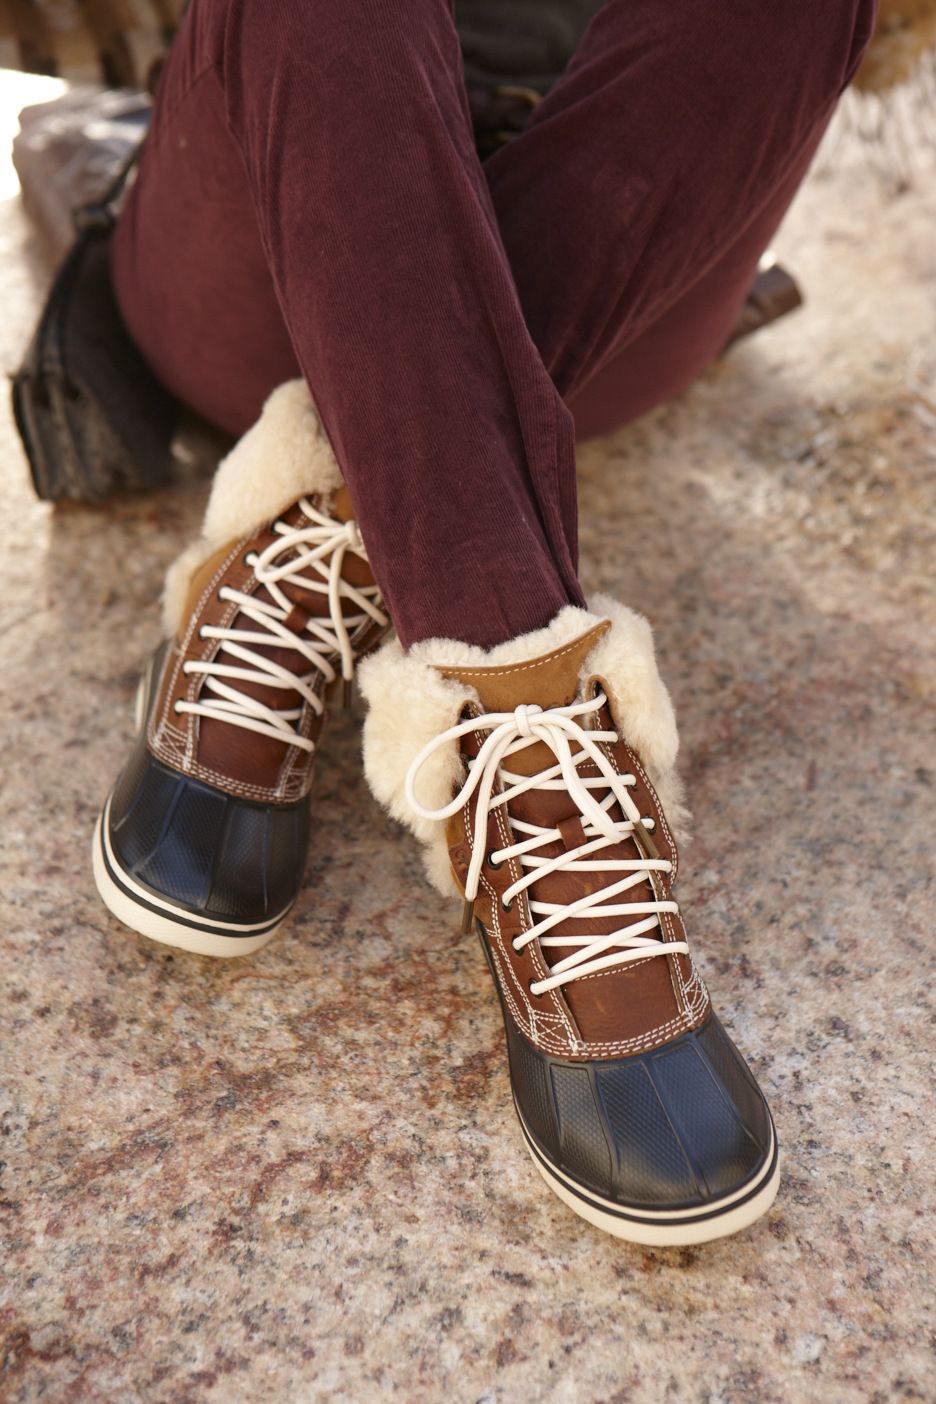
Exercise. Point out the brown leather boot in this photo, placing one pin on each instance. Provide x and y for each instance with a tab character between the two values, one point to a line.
538	776
203	841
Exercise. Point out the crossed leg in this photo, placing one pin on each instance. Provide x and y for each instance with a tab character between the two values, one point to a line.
311	200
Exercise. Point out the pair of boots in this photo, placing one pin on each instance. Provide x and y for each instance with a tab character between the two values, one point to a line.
538	776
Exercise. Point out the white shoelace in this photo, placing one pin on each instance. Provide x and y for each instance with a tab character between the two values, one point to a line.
558	728
322	546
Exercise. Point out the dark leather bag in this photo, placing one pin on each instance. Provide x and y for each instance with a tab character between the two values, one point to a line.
92	416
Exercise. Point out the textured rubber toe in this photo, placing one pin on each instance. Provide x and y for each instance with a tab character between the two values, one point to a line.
673	1146
189	865
726	1215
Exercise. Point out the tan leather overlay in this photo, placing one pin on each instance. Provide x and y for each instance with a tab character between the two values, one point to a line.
552	680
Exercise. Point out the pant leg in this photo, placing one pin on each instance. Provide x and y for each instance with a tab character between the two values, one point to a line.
188	266
345	129
652	177
652	365
631	248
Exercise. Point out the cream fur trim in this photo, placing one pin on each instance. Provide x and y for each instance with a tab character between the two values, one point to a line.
410	703
284	456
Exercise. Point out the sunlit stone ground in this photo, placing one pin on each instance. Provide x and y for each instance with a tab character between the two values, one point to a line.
299	1177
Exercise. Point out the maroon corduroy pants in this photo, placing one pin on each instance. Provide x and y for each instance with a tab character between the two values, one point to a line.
310	201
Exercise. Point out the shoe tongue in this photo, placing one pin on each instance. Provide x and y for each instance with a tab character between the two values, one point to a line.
551	680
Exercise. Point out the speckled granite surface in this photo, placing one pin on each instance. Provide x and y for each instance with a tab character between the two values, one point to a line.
239	1182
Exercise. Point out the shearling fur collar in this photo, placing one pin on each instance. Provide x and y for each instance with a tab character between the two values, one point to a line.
284	456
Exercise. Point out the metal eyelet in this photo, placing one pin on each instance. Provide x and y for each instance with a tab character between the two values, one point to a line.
489	859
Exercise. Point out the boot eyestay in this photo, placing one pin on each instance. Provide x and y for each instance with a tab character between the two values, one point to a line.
559	728
321	545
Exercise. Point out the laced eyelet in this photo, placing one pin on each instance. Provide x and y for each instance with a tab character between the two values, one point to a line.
176	707
489	859
648	823
534	993
506	906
